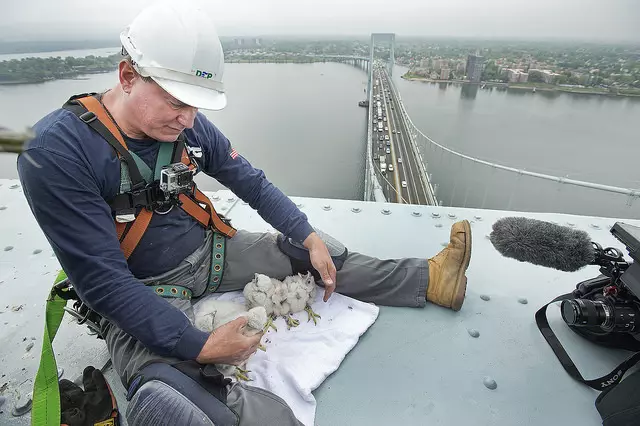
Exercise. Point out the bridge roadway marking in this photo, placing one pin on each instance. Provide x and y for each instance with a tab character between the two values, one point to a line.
396	176
409	158
399	140
412	157
388	184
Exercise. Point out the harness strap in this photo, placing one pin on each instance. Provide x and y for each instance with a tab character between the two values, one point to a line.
96	117
137	230
197	205
46	393
604	383
175	291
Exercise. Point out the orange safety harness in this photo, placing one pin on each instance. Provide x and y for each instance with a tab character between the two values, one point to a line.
141	196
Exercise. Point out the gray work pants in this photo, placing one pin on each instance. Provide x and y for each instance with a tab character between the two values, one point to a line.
392	282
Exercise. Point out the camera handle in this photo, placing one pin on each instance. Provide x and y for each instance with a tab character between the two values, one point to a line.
604	383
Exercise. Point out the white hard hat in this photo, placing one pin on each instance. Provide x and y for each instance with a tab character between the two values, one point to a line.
176	44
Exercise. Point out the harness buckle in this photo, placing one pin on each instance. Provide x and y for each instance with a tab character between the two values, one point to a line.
88	117
126	215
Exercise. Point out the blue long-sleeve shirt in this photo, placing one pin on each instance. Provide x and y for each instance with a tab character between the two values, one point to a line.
68	172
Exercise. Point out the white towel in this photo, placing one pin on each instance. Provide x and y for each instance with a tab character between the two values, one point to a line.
298	360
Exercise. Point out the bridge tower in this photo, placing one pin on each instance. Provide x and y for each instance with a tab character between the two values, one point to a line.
381	38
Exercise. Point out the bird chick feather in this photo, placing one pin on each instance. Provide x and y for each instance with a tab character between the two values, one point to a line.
212	314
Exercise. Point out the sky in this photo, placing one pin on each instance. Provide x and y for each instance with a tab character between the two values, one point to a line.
594	20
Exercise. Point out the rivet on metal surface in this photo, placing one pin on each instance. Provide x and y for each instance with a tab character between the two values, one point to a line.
438	225
216	198
595	226
478	218
473	332
490	383
326	207
8	248
485	297
416	214
435	215
451	215
3	207
523	300
37	251
230	199
571	224
356	210
385	211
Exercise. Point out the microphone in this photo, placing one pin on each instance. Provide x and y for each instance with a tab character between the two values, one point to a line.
542	243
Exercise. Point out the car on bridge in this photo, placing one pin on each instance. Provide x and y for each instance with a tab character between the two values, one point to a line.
388	151
399	160
393	131
404	183
386	137
390	167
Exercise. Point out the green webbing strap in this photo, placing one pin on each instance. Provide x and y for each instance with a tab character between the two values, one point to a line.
125	179
165	153
217	262
176	291
46	393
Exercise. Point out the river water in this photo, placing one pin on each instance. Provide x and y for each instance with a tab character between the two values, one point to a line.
300	123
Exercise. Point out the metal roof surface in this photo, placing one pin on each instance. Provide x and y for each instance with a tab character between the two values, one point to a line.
413	366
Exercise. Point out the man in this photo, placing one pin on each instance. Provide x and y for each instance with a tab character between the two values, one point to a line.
71	177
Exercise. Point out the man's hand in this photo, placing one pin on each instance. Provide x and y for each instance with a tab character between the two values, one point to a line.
227	344
321	260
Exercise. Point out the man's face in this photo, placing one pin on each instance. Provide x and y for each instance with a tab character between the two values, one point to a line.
157	114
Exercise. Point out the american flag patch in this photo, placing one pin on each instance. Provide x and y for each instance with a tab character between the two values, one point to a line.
234	153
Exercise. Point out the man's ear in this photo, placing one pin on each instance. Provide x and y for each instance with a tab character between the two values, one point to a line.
127	76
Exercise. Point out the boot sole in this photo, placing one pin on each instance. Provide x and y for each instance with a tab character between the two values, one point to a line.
461	280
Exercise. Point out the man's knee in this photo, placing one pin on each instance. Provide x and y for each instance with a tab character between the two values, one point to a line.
161	395
157	403
299	254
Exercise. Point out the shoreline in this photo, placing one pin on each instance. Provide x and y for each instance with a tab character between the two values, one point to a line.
528	87
79	76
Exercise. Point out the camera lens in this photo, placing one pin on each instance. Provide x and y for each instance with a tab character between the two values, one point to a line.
584	312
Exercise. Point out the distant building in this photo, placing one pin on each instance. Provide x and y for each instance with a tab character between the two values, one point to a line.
444	73
438	64
474	68
247	42
517	76
548	76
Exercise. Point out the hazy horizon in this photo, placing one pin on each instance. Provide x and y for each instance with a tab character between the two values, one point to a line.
519	20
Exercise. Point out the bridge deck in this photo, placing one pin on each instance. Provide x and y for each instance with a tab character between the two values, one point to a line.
413	366
407	183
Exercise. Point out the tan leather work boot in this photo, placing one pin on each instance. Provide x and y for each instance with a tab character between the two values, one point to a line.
447	280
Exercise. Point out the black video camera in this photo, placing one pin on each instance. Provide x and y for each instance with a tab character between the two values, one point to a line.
606	309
